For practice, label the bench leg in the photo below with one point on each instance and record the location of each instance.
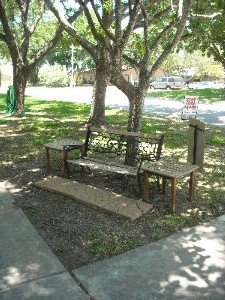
(145, 189)
(82, 151)
(191, 185)
(47, 158)
(64, 163)
(164, 182)
(173, 194)
(139, 183)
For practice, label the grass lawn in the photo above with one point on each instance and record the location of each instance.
(205, 95)
(101, 235)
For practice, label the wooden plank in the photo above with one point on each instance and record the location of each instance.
(191, 186)
(103, 166)
(200, 142)
(111, 202)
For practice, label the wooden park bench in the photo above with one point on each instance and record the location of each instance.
(105, 150)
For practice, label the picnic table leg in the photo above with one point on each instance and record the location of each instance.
(191, 185)
(64, 163)
(173, 194)
(145, 186)
(47, 159)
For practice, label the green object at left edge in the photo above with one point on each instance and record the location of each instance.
(11, 100)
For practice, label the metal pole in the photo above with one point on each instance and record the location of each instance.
(71, 80)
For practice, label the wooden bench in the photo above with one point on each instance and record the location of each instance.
(105, 150)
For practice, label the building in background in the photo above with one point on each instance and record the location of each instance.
(131, 75)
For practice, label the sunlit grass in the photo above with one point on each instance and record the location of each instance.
(205, 95)
(22, 139)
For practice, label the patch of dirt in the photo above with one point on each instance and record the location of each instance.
(79, 234)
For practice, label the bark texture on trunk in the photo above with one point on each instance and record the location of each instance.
(20, 78)
(134, 124)
(102, 77)
(136, 95)
(136, 101)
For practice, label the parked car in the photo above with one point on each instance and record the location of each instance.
(218, 85)
(194, 85)
(199, 85)
(205, 85)
(168, 83)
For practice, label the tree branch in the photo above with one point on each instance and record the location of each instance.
(24, 9)
(66, 24)
(217, 54)
(159, 15)
(9, 37)
(210, 16)
(170, 46)
(145, 25)
(132, 61)
(38, 18)
(2, 37)
(132, 20)
(95, 33)
(160, 37)
(118, 19)
(154, 19)
(101, 23)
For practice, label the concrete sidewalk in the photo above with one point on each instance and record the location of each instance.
(28, 268)
(186, 265)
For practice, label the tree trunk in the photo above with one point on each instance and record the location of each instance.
(33, 78)
(136, 101)
(20, 77)
(135, 95)
(102, 77)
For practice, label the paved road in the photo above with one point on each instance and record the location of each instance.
(212, 114)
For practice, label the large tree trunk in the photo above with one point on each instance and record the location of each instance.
(136, 100)
(136, 96)
(33, 78)
(102, 77)
(20, 77)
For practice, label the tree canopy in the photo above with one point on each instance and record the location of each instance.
(208, 29)
(23, 30)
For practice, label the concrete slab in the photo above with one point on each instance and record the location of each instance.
(5, 212)
(114, 203)
(24, 254)
(55, 287)
(5, 197)
(186, 265)
(29, 269)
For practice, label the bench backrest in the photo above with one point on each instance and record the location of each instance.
(107, 140)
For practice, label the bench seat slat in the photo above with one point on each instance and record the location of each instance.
(96, 164)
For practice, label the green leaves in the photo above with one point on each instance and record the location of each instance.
(208, 34)
(108, 5)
